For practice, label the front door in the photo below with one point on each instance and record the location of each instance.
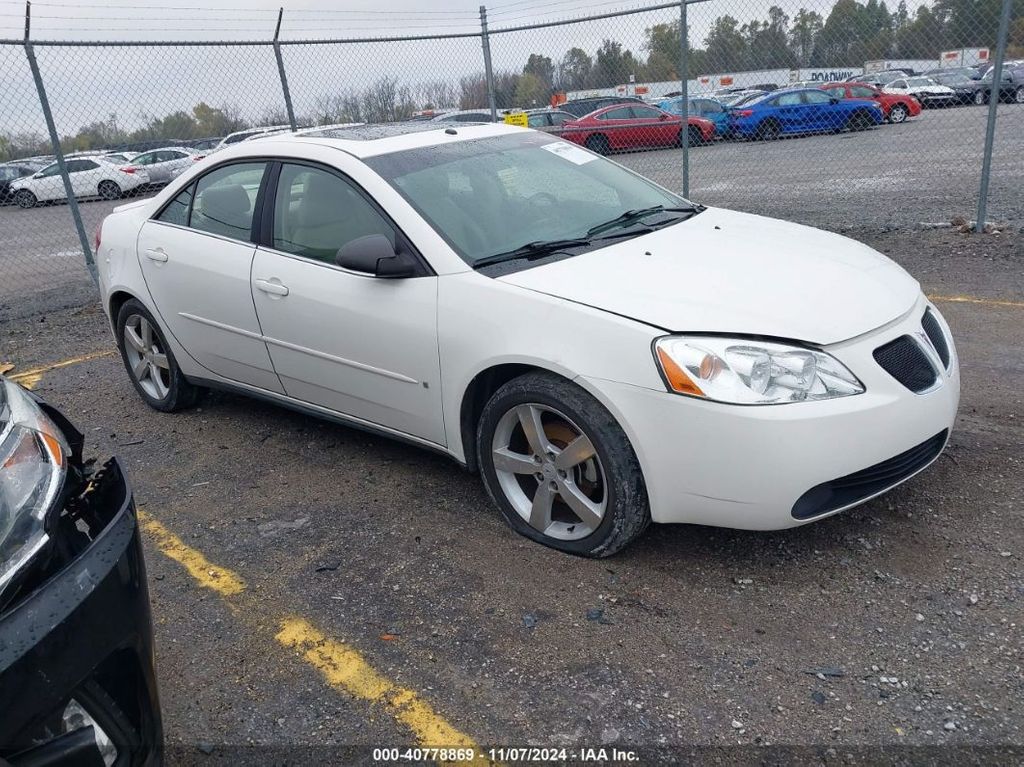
(351, 342)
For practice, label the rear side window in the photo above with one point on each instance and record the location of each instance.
(317, 212)
(225, 198)
(177, 210)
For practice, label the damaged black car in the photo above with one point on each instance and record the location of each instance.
(77, 679)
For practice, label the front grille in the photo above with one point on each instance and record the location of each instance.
(905, 360)
(933, 329)
(865, 483)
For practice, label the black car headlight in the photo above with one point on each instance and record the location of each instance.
(33, 465)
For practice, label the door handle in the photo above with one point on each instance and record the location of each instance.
(273, 288)
(156, 254)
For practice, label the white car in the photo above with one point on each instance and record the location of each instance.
(604, 352)
(924, 89)
(90, 177)
(249, 133)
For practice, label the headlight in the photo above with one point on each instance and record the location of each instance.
(33, 463)
(743, 372)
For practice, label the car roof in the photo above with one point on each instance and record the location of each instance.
(369, 140)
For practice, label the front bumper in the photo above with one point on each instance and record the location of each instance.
(84, 634)
(746, 467)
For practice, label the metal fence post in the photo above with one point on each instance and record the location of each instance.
(993, 105)
(44, 104)
(684, 80)
(488, 72)
(280, 70)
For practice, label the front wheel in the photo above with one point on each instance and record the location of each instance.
(108, 190)
(560, 468)
(25, 199)
(149, 361)
(898, 114)
(1018, 95)
(979, 98)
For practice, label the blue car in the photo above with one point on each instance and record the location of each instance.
(802, 110)
(709, 109)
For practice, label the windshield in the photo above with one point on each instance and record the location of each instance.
(916, 82)
(495, 195)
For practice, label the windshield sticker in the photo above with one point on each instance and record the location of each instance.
(570, 152)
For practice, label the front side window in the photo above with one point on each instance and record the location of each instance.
(49, 170)
(316, 213)
(622, 113)
(144, 159)
(817, 97)
(225, 198)
(537, 121)
(899, 85)
(862, 93)
(492, 195)
(789, 100)
(648, 113)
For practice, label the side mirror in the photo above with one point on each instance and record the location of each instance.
(662, 117)
(834, 99)
(374, 254)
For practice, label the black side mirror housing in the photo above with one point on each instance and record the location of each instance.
(374, 255)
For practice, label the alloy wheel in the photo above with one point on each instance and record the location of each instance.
(1019, 95)
(147, 359)
(25, 199)
(897, 114)
(549, 471)
(109, 190)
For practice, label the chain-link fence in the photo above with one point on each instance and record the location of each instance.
(836, 113)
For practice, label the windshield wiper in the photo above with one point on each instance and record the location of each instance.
(532, 250)
(631, 217)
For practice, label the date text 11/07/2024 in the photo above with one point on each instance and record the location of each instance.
(507, 755)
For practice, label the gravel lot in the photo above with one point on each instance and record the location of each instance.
(925, 170)
(898, 623)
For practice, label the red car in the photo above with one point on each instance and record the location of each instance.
(634, 126)
(895, 107)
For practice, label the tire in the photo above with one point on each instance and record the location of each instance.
(109, 190)
(769, 130)
(859, 121)
(1018, 95)
(162, 386)
(598, 143)
(979, 97)
(25, 199)
(694, 136)
(898, 114)
(607, 482)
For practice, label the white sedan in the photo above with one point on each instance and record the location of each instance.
(924, 89)
(90, 177)
(603, 352)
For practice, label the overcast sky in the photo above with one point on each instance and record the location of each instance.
(88, 83)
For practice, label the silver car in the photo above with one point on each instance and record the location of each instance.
(166, 164)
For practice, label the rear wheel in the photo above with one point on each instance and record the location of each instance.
(898, 114)
(149, 361)
(979, 97)
(560, 468)
(108, 190)
(1018, 95)
(25, 199)
(769, 130)
(598, 143)
(694, 136)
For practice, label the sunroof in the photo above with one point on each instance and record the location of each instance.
(373, 132)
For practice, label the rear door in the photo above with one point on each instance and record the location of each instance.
(85, 177)
(821, 114)
(196, 256)
(791, 111)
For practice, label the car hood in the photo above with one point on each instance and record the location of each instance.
(728, 272)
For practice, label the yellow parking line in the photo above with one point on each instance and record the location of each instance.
(973, 300)
(209, 575)
(344, 668)
(30, 378)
